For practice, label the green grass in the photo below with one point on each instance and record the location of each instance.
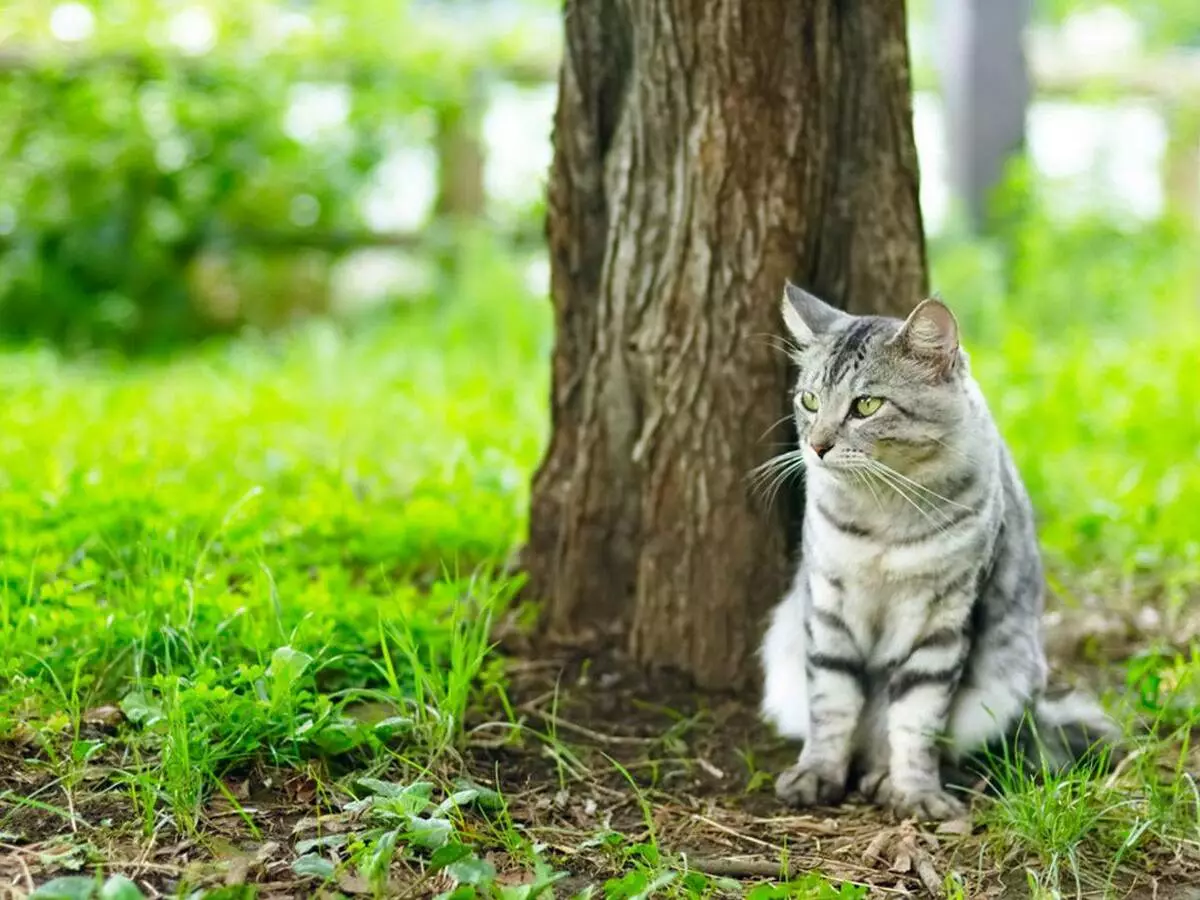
(269, 493)
(275, 552)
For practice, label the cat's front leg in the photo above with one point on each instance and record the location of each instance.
(836, 673)
(920, 692)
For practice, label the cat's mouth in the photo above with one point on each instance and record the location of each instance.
(832, 465)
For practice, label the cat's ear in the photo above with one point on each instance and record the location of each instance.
(930, 333)
(807, 316)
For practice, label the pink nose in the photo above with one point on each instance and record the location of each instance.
(821, 449)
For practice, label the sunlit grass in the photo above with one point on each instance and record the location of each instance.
(1076, 832)
(196, 516)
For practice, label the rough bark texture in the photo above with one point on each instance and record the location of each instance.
(705, 151)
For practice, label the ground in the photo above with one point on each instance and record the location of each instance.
(257, 635)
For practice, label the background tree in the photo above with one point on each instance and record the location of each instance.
(705, 150)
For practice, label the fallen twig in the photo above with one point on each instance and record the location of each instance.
(742, 868)
(598, 737)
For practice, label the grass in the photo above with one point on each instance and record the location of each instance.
(247, 593)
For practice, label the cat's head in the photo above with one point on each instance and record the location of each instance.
(875, 388)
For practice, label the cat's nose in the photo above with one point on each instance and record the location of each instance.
(821, 449)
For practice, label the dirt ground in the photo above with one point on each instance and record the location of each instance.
(605, 750)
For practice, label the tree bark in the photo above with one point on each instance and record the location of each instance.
(705, 151)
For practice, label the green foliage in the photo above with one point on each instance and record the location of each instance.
(1075, 831)
(255, 551)
(128, 191)
(397, 820)
(148, 183)
(79, 887)
(1165, 23)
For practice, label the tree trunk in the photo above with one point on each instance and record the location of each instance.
(705, 151)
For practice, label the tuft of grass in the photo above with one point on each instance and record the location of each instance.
(1076, 832)
(442, 677)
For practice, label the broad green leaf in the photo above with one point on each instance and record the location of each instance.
(82, 751)
(656, 885)
(429, 833)
(401, 801)
(142, 709)
(765, 892)
(456, 800)
(70, 887)
(472, 870)
(546, 879)
(328, 840)
(628, 885)
(391, 789)
(340, 737)
(287, 667)
(444, 856)
(312, 864)
(485, 797)
(393, 727)
(377, 861)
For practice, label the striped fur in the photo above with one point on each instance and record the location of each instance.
(910, 643)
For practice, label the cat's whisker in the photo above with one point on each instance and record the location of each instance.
(885, 475)
(769, 477)
(866, 479)
(782, 477)
(957, 451)
(949, 602)
(862, 475)
(901, 491)
(780, 483)
(776, 462)
(922, 488)
(776, 342)
(889, 476)
(775, 425)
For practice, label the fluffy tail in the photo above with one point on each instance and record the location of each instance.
(1070, 729)
(1060, 732)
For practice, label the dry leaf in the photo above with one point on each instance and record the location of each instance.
(961, 827)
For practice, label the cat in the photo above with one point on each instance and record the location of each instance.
(909, 644)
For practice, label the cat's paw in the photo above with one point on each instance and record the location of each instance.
(926, 805)
(806, 784)
(876, 787)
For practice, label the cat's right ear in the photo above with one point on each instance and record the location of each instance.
(805, 315)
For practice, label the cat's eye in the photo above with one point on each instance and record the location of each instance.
(809, 401)
(866, 406)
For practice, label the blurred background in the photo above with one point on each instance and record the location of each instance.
(295, 246)
(174, 169)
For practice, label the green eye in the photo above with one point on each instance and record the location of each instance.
(809, 401)
(867, 406)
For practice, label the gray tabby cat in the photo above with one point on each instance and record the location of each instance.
(910, 641)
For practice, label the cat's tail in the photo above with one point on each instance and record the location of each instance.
(1070, 728)
(1057, 733)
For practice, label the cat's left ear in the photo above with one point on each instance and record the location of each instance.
(930, 333)
(806, 315)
